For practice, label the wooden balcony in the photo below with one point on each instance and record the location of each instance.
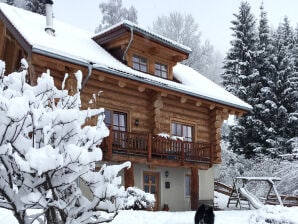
(156, 150)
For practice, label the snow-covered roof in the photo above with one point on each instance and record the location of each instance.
(147, 33)
(76, 45)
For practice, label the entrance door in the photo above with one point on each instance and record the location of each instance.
(151, 185)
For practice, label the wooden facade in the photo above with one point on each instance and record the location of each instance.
(149, 110)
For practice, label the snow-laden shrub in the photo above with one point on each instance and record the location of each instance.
(45, 148)
(274, 215)
(138, 200)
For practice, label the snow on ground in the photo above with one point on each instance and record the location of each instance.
(266, 214)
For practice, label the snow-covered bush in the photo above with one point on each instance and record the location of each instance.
(138, 200)
(274, 215)
(45, 148)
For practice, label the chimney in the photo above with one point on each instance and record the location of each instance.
(49, 18)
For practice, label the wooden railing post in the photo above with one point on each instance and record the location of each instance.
(110, 144)
(149, 147)
(182, 153)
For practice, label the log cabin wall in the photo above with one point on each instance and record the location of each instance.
(154, 109)
(11, 51)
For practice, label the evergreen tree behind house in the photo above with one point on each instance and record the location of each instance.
(260, 70)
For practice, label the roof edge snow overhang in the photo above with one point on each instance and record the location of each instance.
(130, 76)
(149, 35)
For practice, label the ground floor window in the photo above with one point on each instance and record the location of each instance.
(187, 185)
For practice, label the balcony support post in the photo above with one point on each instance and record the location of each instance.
(182, 154)
(129, 176)
(194, 188)
(211, 151)
(110, 144)
(149, 147)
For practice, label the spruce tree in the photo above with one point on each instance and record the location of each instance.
(37, 6)
(10, 2)
(263, 99)
(283, 70)
(239, 62)
(239, 73)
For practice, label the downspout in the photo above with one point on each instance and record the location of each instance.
(90, 66)
(128, 46)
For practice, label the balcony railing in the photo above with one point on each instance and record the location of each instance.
(156, 147)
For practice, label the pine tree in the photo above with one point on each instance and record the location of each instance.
(239, 62)
(240, 75)
(10, 2)
(264, 99)
(283, 69)
(37, 6)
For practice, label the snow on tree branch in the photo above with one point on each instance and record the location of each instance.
(45, 151)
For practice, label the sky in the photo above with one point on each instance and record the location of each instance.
(213, 16)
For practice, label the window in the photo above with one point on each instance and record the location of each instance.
(187, 184)
(182, 130)
(161, 70)
(116, 119)
(139, 63)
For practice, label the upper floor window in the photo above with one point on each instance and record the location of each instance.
(139, 63)
(161, 70)
(116, 119)
(182, 130)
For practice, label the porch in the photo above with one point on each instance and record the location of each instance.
(156, 150)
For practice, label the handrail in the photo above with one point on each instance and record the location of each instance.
(154, 146)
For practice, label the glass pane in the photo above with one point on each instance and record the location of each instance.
(116, 119)
(108, 117)
(143, 68)
(135, 59)
(146, 179)
(164, 68)
(153, 179)
(143, 60)
(187, 185)
(189, 133)
(152, 189)
(121, 120)
(179, 131)
(184, 131)
(146, 188)
(135, 66)
(174, 129)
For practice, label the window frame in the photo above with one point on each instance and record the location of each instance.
(182, 130)
(137, 63)
(187, 189)
(112, 123)
(159, 72)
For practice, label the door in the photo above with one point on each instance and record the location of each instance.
(151, 185)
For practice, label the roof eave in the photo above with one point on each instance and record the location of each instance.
(127, 24)
(136, 78)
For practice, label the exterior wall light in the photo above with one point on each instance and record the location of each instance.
(137, 122)
(166, 173)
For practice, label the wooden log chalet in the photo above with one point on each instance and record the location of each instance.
(163, 116)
